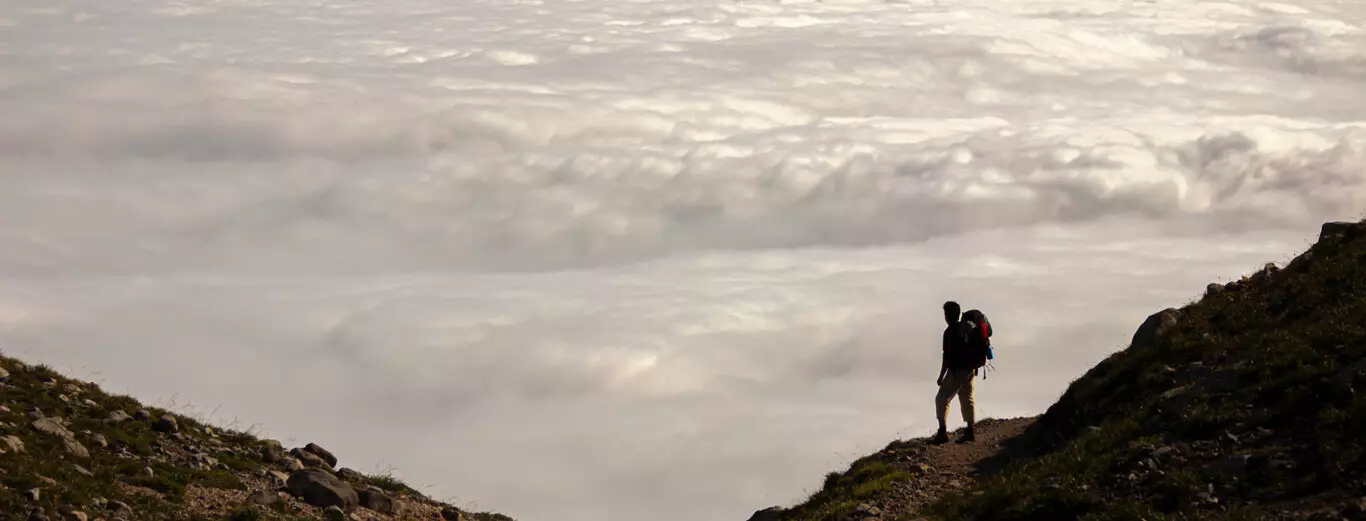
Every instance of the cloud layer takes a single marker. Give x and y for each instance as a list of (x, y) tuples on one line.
[(641, 259)]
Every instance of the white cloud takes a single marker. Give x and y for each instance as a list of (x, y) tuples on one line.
[(597, 260)]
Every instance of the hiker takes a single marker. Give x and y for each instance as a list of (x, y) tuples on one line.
[(964, 354)]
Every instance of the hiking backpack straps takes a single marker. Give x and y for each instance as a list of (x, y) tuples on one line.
[(982, 327)]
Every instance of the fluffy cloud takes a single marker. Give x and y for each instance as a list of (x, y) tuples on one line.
[(597, 260)]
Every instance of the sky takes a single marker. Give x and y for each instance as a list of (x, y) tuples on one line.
[(600, 260)]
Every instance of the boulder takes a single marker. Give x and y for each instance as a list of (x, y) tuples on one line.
[(166, 424), (1340, 230), (12, 444), (52, 426), (321, 489), (322, 453), (118, 417), (272, 451), (310, 459), (375, 499), (291, 464), (767, 514), (1153, 327), (450, 513), (351, 475)]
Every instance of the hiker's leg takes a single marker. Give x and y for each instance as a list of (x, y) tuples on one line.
[(942, 399), (966, 401)]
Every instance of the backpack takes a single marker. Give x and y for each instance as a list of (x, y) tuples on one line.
[(981, 334)]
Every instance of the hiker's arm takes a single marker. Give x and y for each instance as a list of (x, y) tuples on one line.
[(943, 368)]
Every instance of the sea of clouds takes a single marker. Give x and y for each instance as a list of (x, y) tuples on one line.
[(604, 260)]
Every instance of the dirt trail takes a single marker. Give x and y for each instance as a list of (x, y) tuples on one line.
[(947, 467)]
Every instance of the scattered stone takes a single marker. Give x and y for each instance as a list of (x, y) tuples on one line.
[(3, 374), (75, 515), (12, 444), (334, 514), (375, 499), (264, 498), (166, 424), (142, 415), (322, 453), (118, 417), (865, 510), (100, 440), (451, 514), (147, 471), (321, 489), (310, 459), (48, 481), (33, 495), (37, 515), (83, 471)]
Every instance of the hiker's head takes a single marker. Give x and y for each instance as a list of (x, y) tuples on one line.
[(951, 312)]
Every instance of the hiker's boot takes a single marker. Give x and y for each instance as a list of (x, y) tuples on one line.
[(967, 436), (940, 438)]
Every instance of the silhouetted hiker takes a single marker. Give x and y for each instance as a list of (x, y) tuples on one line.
[(964, 353)]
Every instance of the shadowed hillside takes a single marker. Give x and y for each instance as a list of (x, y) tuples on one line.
[(1244, 405), (69, 451)]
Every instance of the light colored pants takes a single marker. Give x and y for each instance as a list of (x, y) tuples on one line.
[(959, 382)]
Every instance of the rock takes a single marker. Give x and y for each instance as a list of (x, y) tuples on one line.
[(119, 508), (351, 475), (334, 514), (83, 471), (310, 459), (1214, 289), (142, 415), (272, 451), (280, 477), (322, 453), (147, 471), (866, 510), (1228, 466), (12, 444), (100, 440), (37, 515), (166, 424), (291, 464), (76, 449), (451, 514), (375, 499), (321, 489), (33, 495), (1339, 230), (767, 514), (118, 417), (263, 498), (53, 427), (1153, 327), (75, 515), (4, 375)]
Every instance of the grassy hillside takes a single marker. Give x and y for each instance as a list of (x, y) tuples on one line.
[(1247, 404), (68, 450)]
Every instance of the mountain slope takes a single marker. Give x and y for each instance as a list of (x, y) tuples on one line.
[(70, 451), (1244, 405)]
